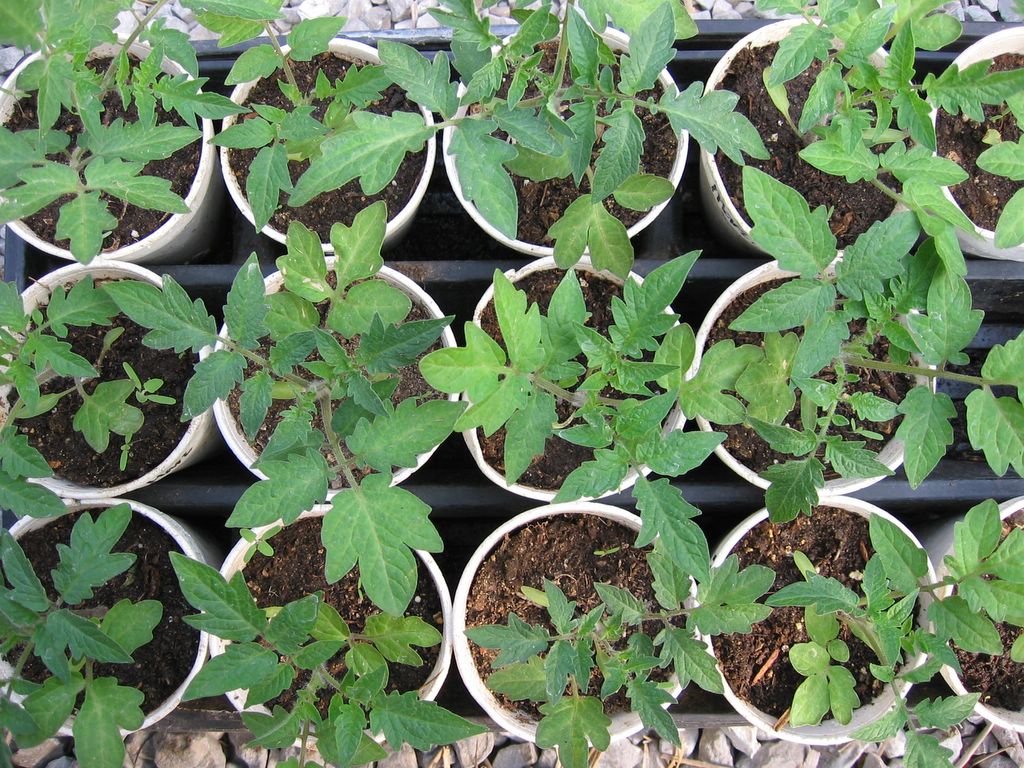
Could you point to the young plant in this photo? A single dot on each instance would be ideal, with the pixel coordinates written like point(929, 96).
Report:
point(556, 132)
point(85, 168)
point(34, 352)
point(913, 303)
point(857, 106)
point(272, 647)
point(331, 346)
point(1006, 158)
point(630, 643)
point(69, 642)
point(618, 400)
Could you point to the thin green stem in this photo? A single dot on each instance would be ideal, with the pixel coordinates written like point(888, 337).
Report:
point(285, 63)
point(108, 76)
point(578, 399)
point(327, 416)
point(917, 370)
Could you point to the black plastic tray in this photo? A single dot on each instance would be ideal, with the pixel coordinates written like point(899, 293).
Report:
point(454, 260)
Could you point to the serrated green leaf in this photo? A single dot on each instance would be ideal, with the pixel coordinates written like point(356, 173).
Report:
point(479, 158)
point(972, 632)
point(107, 707)
point(824, 594)
point(311, 36)
point(850, 458)
point(794, 488)
point(957, 90)
point(527, 432)
point(903, 561)
point(665, 514)
point(691, 660)
point(643, 191)
point(106, 410)
point(572, 724)
point(124, 181)
point(427, 83)
point(28, 499)
point(21, 23)
point(712, 120)
point(246, 309)
point(214, 378)
point(794, 303)
point(876, 255)
point(398, 438)
point(517, 640)
point(945, 712)
point(520, 681)
point(995, 425)
point(1010, 227)
point(85, 222)
point(242, 665)
point(27, 590)
point(294, 484)
point(650, 702)
point(404, 718)
point(228, 609)
point(177, 323)
point(950, 324)
point(797, 50)
point(131, 625)
point(84, 639)
point(268, 176)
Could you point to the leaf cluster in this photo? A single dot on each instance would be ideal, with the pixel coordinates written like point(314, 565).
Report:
point(69, 642)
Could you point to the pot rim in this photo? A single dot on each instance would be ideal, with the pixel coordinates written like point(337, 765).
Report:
point(198, 438)
point(828, 733)
point(176, 224)
point(675, 419)
point(341, 47)
point(624, 724)
point(620, 42)
point(231, 430)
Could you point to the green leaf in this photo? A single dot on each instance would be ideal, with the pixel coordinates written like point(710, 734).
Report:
point(473, 368)
point(84, 638)
point(303, 265)
point(255, 10)
point(527, 432)
point(26, 587)
point(886, 727)
point(995, 425)
point(678, 452)
point(620, 602)
point(1010, 227)
point(706, 393)
point(785, 226)
point(48, 351)
point(650, 51)
point(797, 50)
point(28, 499)
point(666, 515)
point(176, 322)
point(950, 324)
point(254, 64)
point(123, 181)
point(572, 724)
point(311, 36)
point(19, 459)
point(246, 133)
point(268, 176)
point(1007, 561)
point(241, 666)
point(876, 255)
point(945, 712)
point(21, 23)
point(643, 191)
point(810, 701)
point(821, 100)
point(975, 537)
point(485, 182)
point(131, 625)
point(354, 314)
point(650, 702)
point(824, 594)
point(794, 488)
point(850, 458)
point(521, 681)
point(1004, 159)
point(293, 485)
point(85, 221)
point(792, 304)
point(712, 120)
point(376, 526)
point(971, 631)
point(228, 609)
point(136, 141)
point(398, 438)
point(106, 411)
point(246, 309)
point(785, 439)
point(371, 150)
point(214, 378)
point(966, 90)
point(517, 640)
point(520, 325)
point(107, 707)
point(608, 242)
point(920, 163)
point(903, 561)
point(691, 660)
point(84, 305)
point(404, 718)
point(924, 751)
point(394, 637)
point(426, 83)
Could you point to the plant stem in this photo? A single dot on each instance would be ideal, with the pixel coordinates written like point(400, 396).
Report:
point(285, 64)
point(577, 399)
point(109, 74)
point(327, 414)
point(917, 370)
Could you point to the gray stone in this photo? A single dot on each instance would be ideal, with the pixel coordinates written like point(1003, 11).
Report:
point(185, 14)
point(9, 58)
point(173, 750)
point(775, 753)
point(743, 739)
point(515, 755)
point(688, 740)
point(842, 757)
point(744, 8)
point(41, 754)
point(702, 15)
point(621, 754)
point(249, 756)
point(1011, 10)
point(405, 24)
point(378, 18)
point(953, 741)
point(474, 750)
point(400, 9)
point(126, 22)
point(63, 762)
point(894, 747)
point(989, 5)
point(714, 747)
point(173, 22)
point(426, 21)
point(403, 758)
point(999, 761)
point(871, 760)
point(548, 758)
point(1011, 742)
point(977, 13)
point(724, 10)
point(355, 25)
point(199, 32)
point(139, 748)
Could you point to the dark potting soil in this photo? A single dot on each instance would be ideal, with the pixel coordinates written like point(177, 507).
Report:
point(297, 570)
point(133, 223)
point(410, 384)
point(754, 452)
point(341, 204)
point(543, 203)
point(549, 470)
point(757, 664)
point(66, 450)
point(161, 665)
point(574, 552)
point(855, 207)
point(997, 678)
point(961, 139)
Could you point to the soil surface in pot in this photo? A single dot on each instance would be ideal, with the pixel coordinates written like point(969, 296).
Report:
point(961, 140)
point(341, 204)
point(573, 551)
point(748, 447)
point(161, 665)
point(543, 203)
point(997, 678)
point(297, 570)
point(410, 384)
point(757, 665)
point(66, 450)
point(133, 223)
point(549, 470)
point(855, 207)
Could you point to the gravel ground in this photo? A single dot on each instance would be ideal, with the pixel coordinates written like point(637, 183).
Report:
point(728, 747)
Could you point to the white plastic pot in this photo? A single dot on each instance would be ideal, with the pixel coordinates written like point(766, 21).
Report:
point(192, 544)
point(724, 217)
point(828, 732)
point(674, 421)
point(940, 544)
point(982, 241)
point(198, 440)
point(183, 234)
point(618, 42)
point(232, 431)
point(399, 222)
point(235, 562)
point(891, 455)
point(624, 724)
